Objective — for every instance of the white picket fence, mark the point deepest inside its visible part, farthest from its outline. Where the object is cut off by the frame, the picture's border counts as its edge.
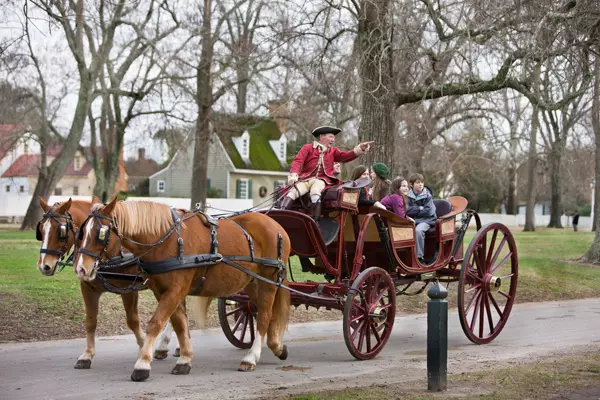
(540, 220)
(13, 208)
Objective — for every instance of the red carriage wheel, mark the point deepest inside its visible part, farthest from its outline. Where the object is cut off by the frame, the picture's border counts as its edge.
(369, 313)
(488, 283)
(237, 320)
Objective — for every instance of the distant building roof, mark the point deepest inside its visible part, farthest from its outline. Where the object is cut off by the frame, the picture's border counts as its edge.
(260, 129)
(9, 134)
(29, 164)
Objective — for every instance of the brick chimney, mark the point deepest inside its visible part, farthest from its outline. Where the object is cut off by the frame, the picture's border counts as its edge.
(279, 111)
(141, 153)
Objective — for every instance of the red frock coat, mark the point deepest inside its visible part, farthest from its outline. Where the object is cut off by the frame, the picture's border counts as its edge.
(307, 163)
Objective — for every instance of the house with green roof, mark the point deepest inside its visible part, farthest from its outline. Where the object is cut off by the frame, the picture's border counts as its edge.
(247, 159)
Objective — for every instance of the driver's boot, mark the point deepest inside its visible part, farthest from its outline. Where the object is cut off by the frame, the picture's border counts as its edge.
(316, 210)
(286, 203)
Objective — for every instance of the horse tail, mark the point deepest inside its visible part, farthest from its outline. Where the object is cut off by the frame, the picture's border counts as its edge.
(199, 309)
(282, 307)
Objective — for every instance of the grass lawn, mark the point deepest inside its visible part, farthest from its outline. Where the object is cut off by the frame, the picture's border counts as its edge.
(29, 300)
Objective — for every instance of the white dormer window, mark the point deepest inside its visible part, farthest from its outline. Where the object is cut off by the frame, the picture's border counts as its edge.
(280, 148)
(242, 144)
(245, 147)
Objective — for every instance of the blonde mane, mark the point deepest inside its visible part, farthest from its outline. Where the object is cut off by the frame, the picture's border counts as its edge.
(142, 218)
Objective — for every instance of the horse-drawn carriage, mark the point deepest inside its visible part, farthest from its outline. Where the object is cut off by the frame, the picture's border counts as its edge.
(367, 263)
(372, 259)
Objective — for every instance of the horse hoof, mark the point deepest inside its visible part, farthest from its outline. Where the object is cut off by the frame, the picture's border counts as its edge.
(284, 353)
(83, 364)
(181, 369)
(140, 375)
(177, 352)
(161, 354)
(246, 367)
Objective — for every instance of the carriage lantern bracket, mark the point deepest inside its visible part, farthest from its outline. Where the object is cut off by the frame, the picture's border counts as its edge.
(437, 338)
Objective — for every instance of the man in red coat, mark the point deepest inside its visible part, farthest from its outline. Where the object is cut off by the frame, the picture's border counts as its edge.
(313, 167)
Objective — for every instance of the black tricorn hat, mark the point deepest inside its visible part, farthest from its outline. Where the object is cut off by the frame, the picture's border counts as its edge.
(322, 130)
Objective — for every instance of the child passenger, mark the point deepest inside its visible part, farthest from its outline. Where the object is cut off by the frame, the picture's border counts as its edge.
(396, 202)
(360, 171)
(421, 208)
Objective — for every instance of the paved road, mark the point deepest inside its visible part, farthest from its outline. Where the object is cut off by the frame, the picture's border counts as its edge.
(318, 358)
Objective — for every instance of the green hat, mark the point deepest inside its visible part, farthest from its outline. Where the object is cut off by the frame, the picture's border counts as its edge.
(381, 170)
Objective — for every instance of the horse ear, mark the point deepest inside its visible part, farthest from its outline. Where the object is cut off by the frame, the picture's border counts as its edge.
(65, 207)
(95, 199)
(109, 208)
(44, 205)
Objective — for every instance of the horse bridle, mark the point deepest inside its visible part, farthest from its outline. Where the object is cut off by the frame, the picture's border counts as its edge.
(103, 235)
(63, 235)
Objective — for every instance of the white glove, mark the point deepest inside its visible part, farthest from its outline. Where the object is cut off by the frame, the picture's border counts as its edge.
(379, 205)
(293, 178)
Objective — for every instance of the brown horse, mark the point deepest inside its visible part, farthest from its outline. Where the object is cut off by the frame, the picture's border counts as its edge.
(57, 231)
(155, 232)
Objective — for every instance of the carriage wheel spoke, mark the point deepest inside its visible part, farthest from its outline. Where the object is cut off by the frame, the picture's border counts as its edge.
(477, 263)
(368, 336)
(489, 255)
(356, 331)
(471, 275)
(497, 253)
(239, 308)
(504, 294)
(474, 287)
(488, 309)
(238, 321)
(375, 333)
(481, 315)
(243, 335)
(502, 262)
(507, 276)
(472, 300)
(500, 313)
(361, 337)
(475, 311)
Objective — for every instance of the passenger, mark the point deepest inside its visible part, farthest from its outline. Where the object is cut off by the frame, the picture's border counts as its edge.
(360, 171)
(421, 208)
(397, 201)
(381, 183)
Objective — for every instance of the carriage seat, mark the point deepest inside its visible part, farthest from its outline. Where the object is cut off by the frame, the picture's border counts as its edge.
(442, 207)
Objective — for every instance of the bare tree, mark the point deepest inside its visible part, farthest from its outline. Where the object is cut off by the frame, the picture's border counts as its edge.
(72, 19)
(131, 73)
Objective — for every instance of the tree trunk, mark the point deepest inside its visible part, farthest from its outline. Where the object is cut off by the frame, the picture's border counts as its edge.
(376, 80)
(204, 103)
(532, 159)
(242, 94)
(46, 184)
(593, 253)
(511, 197)
(555, 182)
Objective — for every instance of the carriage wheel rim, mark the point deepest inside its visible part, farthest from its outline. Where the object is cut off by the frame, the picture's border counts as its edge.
(369, 313)
(480, 277)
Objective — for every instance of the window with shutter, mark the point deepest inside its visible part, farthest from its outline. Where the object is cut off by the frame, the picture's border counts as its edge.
(243, 189)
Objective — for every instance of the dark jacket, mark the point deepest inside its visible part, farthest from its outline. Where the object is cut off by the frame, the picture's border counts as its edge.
(425, 200)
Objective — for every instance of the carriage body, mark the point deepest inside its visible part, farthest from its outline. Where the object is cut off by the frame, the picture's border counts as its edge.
(373, 259)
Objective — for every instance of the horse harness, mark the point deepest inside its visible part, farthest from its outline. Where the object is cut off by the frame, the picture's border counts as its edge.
(182, 260)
